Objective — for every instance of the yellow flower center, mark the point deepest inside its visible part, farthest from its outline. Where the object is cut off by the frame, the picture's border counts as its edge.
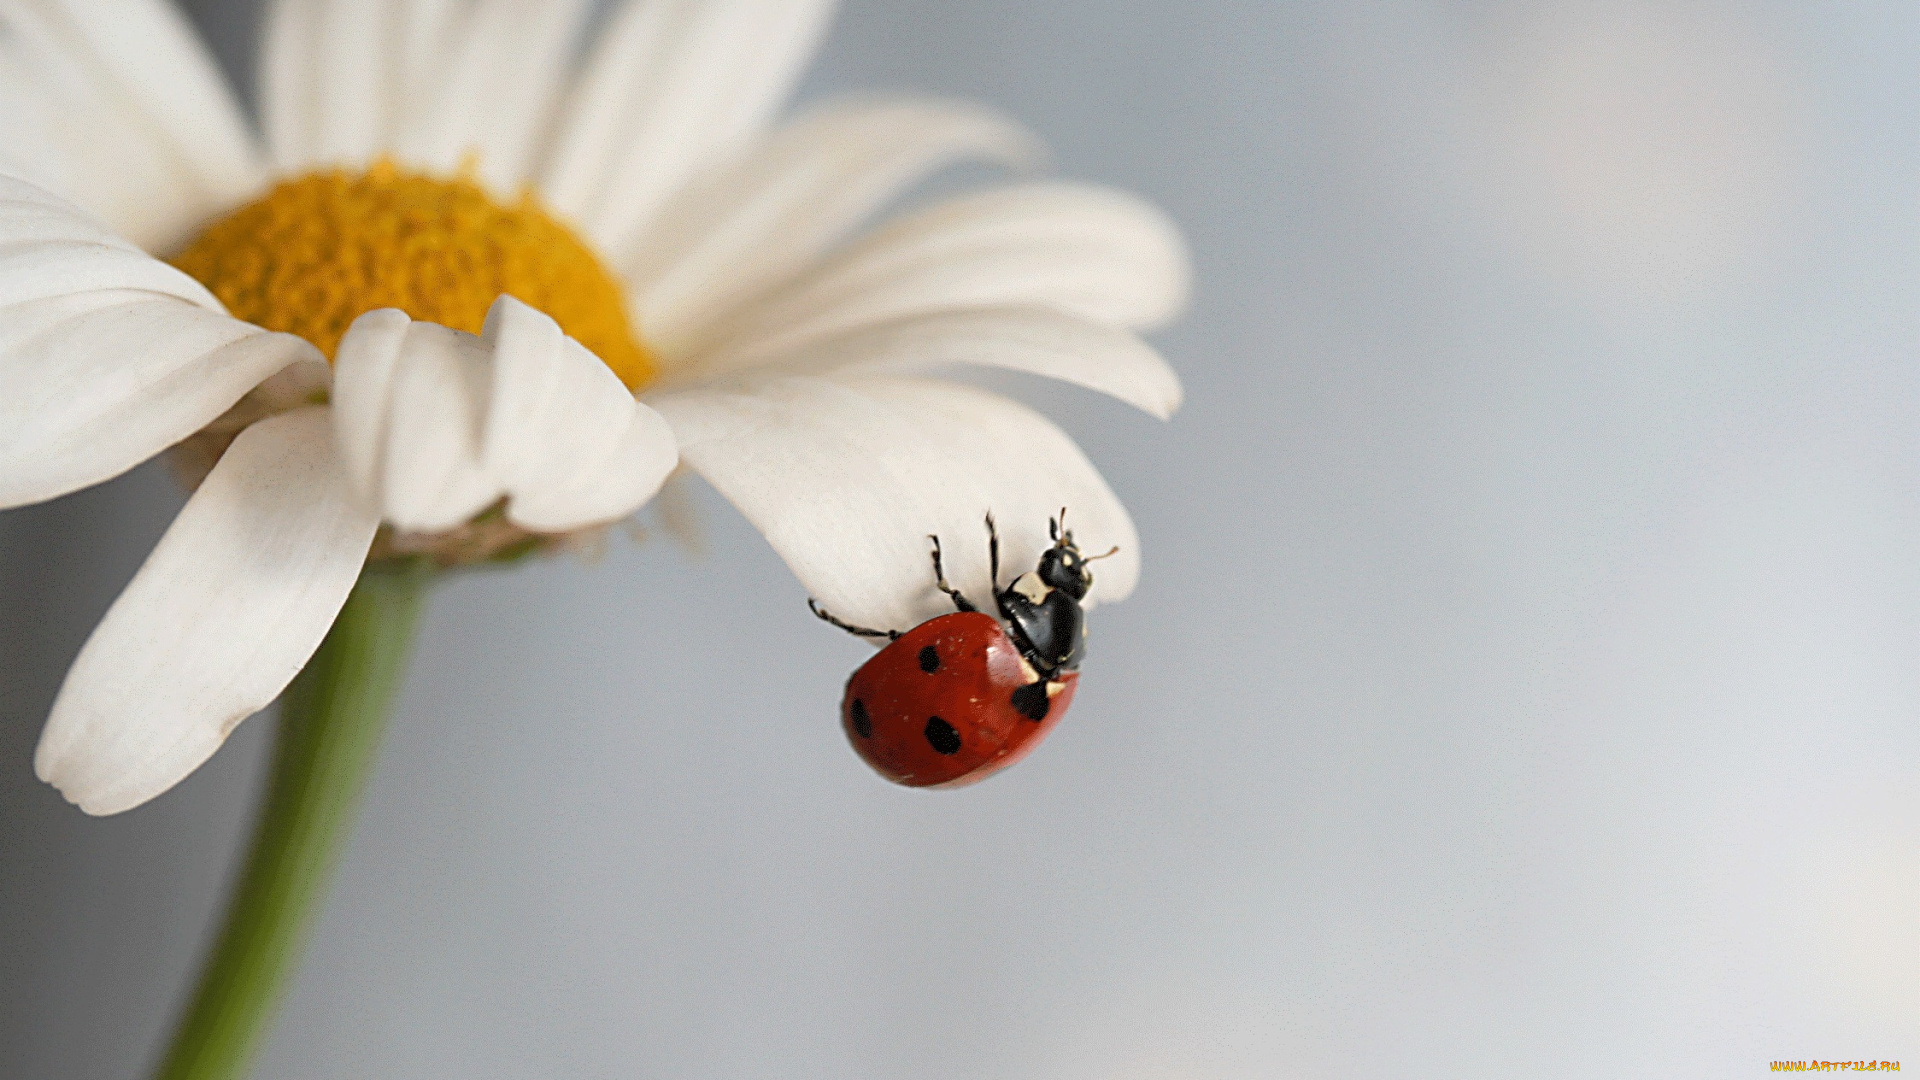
(319, 250)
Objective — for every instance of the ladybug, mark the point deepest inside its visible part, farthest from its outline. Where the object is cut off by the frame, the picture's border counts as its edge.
(962, 696)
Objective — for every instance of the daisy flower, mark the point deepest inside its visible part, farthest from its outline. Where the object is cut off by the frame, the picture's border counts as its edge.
(470, 291)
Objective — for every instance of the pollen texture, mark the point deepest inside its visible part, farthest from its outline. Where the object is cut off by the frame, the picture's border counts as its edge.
(319, 250)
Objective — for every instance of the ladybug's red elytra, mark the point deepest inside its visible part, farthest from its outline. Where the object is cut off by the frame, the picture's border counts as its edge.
(962, 696)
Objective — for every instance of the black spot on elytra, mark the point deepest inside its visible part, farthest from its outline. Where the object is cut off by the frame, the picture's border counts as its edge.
(942, 737)
(929, 659)
(1032, 702)
(862, 723)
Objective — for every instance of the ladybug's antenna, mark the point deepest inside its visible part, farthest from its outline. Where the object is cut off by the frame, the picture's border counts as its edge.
(1096, 558)
(1057, 528)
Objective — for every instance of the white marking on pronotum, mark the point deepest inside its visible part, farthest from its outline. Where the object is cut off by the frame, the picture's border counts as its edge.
(1030, 586)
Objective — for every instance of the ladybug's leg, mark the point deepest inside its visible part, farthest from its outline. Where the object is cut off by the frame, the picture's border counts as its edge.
(940, 580)
(814, 605)
(993, 551)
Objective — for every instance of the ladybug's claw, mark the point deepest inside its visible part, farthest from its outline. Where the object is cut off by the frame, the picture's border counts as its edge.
(814, 606)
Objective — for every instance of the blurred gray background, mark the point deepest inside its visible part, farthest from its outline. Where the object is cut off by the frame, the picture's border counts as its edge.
(1522, 680)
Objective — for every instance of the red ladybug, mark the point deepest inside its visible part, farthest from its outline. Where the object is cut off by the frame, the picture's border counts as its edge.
(961, 696)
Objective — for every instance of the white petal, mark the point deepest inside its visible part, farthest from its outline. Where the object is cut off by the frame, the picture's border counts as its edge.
(351, 40)
(672, 85)
(289, 81)
(756, 220)
(564, 437)
(500, 74)
(1037, 341)
(48, 247)
(110, 379)
(120, 108)
(45, 269)
(421, 30)
(432, 477)
(232, 602)
(340, 78)
(107, 356)
(847, 476)
(63, 131)
(1099, 254)
(160, 66)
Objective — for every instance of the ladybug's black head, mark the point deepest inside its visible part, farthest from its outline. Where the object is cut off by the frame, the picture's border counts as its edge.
(1062, 566)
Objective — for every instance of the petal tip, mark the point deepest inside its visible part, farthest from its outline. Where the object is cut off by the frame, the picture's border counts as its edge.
(379, 318)
(1170, 401)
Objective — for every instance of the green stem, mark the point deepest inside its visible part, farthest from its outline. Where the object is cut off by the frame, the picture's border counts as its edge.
(330, 724)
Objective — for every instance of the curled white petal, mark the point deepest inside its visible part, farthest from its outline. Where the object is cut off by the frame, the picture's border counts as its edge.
(847, 476)
(552, 403)
(1102, 255)
(431, 475)
(230, 604)
(107, 356)
(671, 86)
(747, 225)
(1037, 341)
(566, 440)
(436, 424)
(362, 385)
